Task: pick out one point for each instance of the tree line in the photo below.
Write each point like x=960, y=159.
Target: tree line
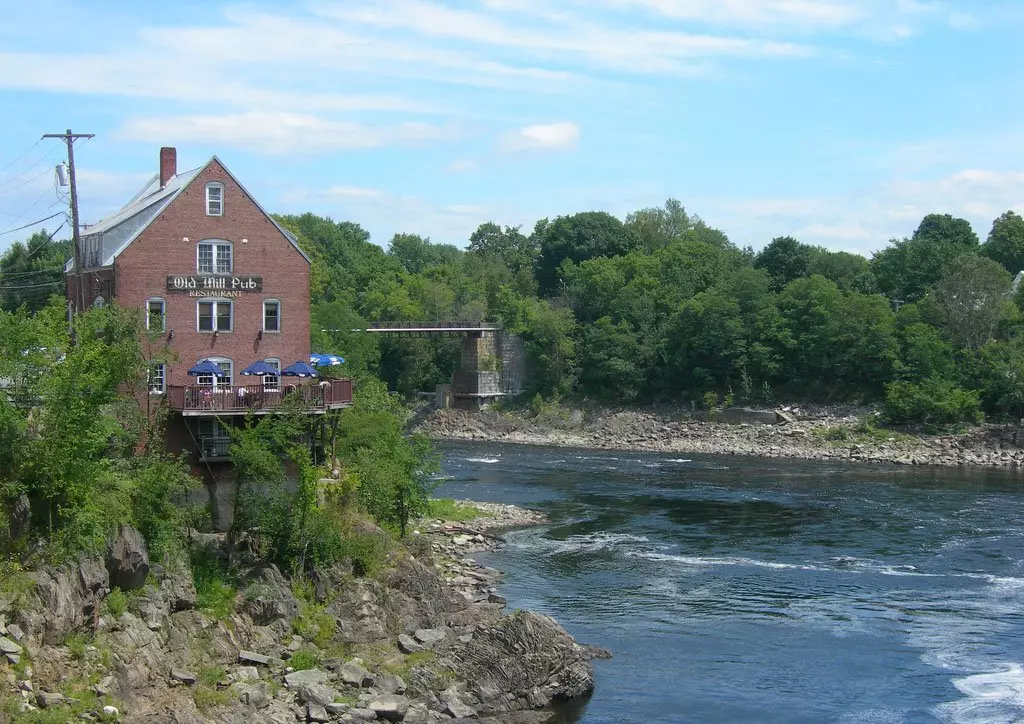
x=662, y=307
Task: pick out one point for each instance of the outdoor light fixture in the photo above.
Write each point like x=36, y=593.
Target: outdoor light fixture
x=184, y=238
x=170, y=335
x=259, y=335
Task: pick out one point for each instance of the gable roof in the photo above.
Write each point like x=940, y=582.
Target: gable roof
x=117, y=232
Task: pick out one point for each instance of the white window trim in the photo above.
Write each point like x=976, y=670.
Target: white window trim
x=163, y=379
x=215, y=185
x=275, y=386
x=264, y=323
x=215, y=300
x=163, y=314
x=216, y=243
x=217, y=381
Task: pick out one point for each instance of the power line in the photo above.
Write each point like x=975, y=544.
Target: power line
x=31, y=286
x=27, y=152
x=26, y=182
x=69, y=139
x=33, y=223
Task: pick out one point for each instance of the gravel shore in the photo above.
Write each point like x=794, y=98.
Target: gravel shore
x=822, y=434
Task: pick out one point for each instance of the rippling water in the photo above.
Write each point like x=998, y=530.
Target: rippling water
x=748, y=590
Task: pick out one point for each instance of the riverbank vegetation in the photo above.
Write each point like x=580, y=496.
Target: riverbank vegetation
x=662, y=307
x=81, y=456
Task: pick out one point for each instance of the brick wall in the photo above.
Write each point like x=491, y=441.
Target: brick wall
x=141, y=272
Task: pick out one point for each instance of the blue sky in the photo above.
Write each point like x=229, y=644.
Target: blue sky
x=841, y=122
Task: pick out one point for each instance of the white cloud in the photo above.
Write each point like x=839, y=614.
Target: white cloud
x=542, y=136
x=462, y=165
x=384, y=214
x=280, y=132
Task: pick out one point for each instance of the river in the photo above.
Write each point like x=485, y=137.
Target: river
x=751, y=590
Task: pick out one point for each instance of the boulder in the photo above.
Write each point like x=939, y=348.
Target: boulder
x=317, y=713
x=389, y=684
x=9, y=647
x=255, y=694
x=390, y=707
x=316, y=694
x=355, y=675
x=296, y=679
x=185, y=677
x=46, y=699
x=269, y=598
x=429, y=636
x=63, y=599
x=127, y=560
x=408, y=645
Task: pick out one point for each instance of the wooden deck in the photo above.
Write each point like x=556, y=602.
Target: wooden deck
x=315, y=397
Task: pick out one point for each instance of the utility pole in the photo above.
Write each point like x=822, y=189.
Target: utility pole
x=69, y=139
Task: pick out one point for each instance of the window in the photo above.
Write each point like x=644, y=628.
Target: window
x=157, y=378
x=156, y=315
x=271, y=315
x=271, y=382
x=210, y=380
x=212, y=427
x=214, y=257
x=214, y=316
x=215, y=199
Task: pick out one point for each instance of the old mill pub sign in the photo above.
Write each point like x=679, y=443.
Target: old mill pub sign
x=209, y=286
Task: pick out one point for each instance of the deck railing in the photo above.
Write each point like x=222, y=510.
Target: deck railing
x=322, y=395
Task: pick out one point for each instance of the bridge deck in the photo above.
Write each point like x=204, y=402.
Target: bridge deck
x=443, y=327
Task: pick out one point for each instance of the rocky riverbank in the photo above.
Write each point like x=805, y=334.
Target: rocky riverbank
x=423, y=640
x=815, y=434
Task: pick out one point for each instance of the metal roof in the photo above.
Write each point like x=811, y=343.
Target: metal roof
x=146, y=205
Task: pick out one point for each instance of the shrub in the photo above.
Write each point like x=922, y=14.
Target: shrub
x=116, y=602
x=933, y=401
x=366, y=551
x=710, y=400
x=215, y=595
x=304, y=659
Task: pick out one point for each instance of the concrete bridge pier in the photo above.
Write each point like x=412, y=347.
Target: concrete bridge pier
x=477, y=383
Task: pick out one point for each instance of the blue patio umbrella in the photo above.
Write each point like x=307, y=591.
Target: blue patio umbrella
x=325, y=360
x=260, y=368
x=299, y=369
x=206, y=367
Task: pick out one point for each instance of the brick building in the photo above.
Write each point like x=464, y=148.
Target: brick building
x=219, y=280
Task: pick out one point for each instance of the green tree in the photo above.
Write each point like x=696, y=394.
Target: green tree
x=549, y=335
x=416, y=254
x=32, y=272
x=577, y=238
x=785, y=259
x=1005, y=243
x=908, y=268
x=974, y=296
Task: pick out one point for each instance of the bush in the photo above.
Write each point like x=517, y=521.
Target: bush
x=215, y=595
x=116, y=602
x=450, y=510
x=710, y=400
x=933, y=402
x=304, y=659
x=366, y=551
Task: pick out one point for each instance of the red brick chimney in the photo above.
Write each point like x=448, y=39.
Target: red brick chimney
x=168, y=164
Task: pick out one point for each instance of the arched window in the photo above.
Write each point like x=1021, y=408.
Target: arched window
x=156, y=314
x=213, y=256
x=226, y=367
x=271, y=383
x=215, y=199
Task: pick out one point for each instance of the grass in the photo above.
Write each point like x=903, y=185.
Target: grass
x=450, y=510
x=15, y=583
x=209, y=676
x=76, y=643
x=304, y=659
x=207, y=698
x=862, y=432
x=82, y=699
